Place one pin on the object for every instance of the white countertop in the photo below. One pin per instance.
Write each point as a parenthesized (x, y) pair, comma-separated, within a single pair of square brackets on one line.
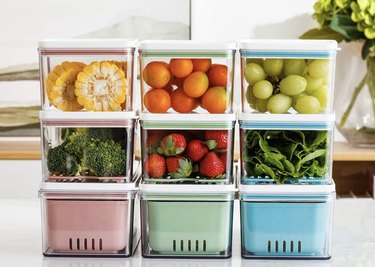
[(20, 241)]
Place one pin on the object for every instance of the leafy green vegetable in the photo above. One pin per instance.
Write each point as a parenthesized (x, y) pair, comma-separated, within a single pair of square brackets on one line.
[(283, 155)]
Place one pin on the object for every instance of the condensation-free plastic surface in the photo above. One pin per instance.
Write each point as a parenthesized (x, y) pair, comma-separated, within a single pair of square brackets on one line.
[(87, 224), (87, 149), (277, 63), (285, 151), (198, 76), (85, 75), (283, 226), (187, 225), (203, 149)]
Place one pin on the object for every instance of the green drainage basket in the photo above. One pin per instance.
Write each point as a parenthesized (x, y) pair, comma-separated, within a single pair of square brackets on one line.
[(187, 220)]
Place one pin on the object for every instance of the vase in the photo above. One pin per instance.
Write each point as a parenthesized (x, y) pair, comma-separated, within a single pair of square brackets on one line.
[(355, 95)]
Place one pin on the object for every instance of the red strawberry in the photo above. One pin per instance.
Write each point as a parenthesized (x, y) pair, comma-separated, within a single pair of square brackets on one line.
[(155, 166), (196, 150), (152, 143), (223, 157), (211, 166), (179, 167), (172, 145), (220, 136)]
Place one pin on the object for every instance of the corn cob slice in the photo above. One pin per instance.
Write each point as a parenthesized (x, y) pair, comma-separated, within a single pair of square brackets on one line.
[(122, 65), (101, 86), (60, 86)]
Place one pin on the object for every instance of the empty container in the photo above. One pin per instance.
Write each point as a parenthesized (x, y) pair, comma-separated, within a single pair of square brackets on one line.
[(288, 76), (187, 221), (86, 74), (87, 219), (187, 149), (276, 148), (289, 221), (187, 76), (87, 147)]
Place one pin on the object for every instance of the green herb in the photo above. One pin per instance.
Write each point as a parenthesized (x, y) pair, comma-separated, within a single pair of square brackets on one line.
[(282, 155)]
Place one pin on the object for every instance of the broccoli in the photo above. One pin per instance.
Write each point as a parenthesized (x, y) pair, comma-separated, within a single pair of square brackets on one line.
[(77, 141), (105, 158), (60, 162)]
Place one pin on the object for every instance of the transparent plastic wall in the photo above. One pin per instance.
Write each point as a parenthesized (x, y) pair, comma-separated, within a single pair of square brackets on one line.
[(87, 75), (186, 76)]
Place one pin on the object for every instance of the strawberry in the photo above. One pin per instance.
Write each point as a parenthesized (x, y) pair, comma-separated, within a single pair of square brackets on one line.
[(220, 136), (178, 167), (223, 157), (152, 143), (196, 150), (211, 166), (172, 145), (155, 166)]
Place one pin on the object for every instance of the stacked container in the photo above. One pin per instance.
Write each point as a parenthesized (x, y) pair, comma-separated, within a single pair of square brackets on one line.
[(286, 134), (87, 124), (187, 189)]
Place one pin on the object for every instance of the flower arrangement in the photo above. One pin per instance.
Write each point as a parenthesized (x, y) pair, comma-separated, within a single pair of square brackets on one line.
[(349, 20)]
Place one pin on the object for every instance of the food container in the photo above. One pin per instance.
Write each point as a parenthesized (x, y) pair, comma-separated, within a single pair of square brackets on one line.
[(186, 220), (278, 149), (81, 219), (87, 147), (287, 76), (187, 149), (187, 76), (86, 74), (289, 221)]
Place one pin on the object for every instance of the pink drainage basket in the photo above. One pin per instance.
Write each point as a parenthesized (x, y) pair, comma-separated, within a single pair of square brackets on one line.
[(87, 223)]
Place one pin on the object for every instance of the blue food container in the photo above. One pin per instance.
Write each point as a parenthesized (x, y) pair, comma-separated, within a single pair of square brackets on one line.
[(286, 221)]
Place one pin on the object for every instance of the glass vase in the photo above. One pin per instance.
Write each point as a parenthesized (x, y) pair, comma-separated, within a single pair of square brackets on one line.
[(355, 95)]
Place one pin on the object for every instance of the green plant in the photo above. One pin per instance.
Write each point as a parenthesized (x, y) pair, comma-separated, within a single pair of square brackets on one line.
[(349, 20)]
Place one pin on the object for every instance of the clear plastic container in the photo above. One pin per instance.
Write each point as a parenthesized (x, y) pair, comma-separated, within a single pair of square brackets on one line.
[(87, 74), (187, 76), (87, 147), (88, 219), (288, 76), (289, 221), (186, 221), (278, 149), (187, 149)]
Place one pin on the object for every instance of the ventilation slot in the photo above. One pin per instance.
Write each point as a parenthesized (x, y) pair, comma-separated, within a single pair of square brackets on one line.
[(93, 244), (70, 244), (85, 244), (100, 244), (78, 245), (284, 246), (189, 245)]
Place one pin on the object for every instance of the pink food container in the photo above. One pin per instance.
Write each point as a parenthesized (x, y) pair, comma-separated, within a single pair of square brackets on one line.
[(81, 219)]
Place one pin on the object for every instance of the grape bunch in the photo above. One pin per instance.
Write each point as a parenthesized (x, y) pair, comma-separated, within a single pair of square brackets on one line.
[(275, 85)]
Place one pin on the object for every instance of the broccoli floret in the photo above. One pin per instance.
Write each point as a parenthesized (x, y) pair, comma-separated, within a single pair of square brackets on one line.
[(104, 159), (83, 137), (60, 162)]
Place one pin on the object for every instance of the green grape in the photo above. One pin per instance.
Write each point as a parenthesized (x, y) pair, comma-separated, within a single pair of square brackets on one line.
[(294, 98), (279, 103), (258, 61), (312, 84), (294, 66), (250, 97), (322, 95), (307, 105), (319, 68), (254, 73), (261, 105), (293, 85), (262, 89), (273, 66)]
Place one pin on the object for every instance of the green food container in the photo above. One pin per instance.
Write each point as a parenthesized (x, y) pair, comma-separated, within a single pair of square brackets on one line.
[(187, 220), (277, 149)]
